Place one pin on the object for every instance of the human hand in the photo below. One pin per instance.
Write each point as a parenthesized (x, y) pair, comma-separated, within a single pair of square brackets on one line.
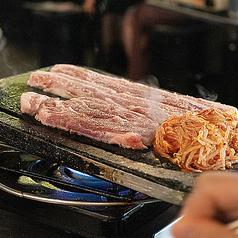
[(212, 204)]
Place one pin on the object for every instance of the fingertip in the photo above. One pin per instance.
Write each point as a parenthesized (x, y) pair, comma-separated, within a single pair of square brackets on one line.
[(182, 228), (189, 227)]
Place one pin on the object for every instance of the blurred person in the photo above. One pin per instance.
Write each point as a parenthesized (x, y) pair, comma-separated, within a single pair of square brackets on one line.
[(112, 13), (137, 24), (212, 204)]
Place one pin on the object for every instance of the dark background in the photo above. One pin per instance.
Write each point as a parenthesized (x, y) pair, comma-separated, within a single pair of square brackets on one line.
[(201, 62)]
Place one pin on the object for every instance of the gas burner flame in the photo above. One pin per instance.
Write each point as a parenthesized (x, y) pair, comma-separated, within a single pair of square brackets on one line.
[(96, 183), (79, 175)]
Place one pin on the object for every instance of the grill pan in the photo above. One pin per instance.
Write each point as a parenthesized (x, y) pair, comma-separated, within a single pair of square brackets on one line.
[(141, 170)]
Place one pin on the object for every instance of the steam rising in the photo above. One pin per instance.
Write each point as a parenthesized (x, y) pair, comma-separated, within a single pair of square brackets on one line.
[(13, 60), (211, 96)]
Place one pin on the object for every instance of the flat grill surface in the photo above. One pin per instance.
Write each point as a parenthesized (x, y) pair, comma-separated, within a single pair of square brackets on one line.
[(141, 170)]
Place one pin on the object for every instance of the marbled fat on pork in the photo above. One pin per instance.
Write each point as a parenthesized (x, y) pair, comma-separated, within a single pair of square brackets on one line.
[(93, 118), (140, 90), (69, 87)]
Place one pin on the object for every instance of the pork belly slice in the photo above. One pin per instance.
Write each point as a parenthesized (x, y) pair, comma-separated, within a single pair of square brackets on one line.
[(64, 85), (140, 90), (120, 85), (70, 87), (93, 118)]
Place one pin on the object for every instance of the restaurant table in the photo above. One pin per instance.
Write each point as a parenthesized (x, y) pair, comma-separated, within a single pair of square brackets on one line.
[(204, 15)]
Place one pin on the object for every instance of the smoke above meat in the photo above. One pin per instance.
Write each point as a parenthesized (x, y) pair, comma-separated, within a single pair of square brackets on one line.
[(106, 108)]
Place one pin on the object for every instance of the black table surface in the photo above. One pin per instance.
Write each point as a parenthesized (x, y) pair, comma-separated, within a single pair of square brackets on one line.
[(17, 226)]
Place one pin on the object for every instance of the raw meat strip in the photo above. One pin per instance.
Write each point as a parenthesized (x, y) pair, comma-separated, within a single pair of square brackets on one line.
[(140, 90), (68, 87), (120, 85), (93, 118)]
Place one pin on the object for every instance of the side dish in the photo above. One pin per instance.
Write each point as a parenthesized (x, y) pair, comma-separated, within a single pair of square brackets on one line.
[(199, 142)]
